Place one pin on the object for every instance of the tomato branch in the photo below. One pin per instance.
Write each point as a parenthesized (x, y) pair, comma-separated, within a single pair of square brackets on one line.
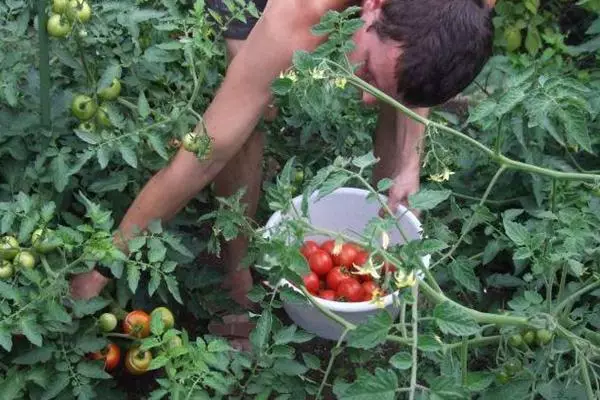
[(575, 296), (334, 353)]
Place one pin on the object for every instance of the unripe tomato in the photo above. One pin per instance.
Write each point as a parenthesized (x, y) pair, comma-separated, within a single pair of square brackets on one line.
[(59, 6), (137, 362), (503, 377), (111, 92), (87, 126), (79, 10), (543, 337), (174, 342), (311, 281), (529, 337), (57, 26), (83, 107), (516, 340), (102, 117), (512, 367), (191, 142), (137, 324), (107, 322), (9, 247), (111, 356), (165, 314), (43, 241), (25, 259), (6, 269)]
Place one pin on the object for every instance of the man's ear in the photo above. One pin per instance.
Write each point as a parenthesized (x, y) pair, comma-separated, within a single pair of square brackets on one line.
[(489, 3)]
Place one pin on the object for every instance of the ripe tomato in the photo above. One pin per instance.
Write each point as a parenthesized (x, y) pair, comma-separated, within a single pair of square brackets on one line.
[(25, 259), (369, 288), (83, 107), (328, 246), (6, 269), (311, 281), (327, 294), (111, 356), (309, 248), (136, 361), (336, 276), (79, 10), (167, 316), (107, 322), (361, 258), (320, 262), (9, 247), (111, 92), (137, 324), (59, 6), (350, 290), (346, 256), (57, 26), (388, 267)]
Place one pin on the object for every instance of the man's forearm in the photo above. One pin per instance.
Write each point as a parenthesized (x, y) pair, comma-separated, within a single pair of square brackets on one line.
[(409, 142)]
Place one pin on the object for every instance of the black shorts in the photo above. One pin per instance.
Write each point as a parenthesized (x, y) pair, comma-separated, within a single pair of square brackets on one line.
[(236, 29)]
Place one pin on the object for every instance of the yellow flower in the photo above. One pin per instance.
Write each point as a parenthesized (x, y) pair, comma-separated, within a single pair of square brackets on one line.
[(340, 82), (368, 268), (291, 75), (442, 177), (403, 279), (377, 298), (317, 74)]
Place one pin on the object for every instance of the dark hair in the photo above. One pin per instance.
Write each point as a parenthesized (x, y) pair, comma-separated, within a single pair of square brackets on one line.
[(445, 44)]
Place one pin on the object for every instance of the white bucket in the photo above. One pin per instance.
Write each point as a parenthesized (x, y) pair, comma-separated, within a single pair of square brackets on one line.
[(347, 211)]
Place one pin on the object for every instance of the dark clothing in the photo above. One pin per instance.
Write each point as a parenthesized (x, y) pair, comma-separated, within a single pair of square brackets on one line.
[(236, 29)]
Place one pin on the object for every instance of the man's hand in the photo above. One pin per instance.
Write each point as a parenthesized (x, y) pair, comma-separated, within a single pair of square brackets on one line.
[(405, 184), (87, 285)]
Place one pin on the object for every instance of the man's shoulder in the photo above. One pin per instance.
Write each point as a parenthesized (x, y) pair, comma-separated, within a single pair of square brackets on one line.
[(305, 10)]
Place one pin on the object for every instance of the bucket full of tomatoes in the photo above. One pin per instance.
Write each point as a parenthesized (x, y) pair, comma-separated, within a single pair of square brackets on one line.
[(332, 281)]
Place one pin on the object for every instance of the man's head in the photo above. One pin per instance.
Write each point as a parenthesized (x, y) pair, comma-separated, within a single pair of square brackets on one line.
[(423, 52)]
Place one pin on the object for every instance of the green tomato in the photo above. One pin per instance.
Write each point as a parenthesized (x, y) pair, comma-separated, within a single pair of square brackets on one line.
[(166, 315), (44, 241), (512, 367), (6, 269), (83, 107), (79, 10), (9, 247), (529, 337), (107, 322), (111, 92), (87, 126), (191, 142), (25, 259), (59, 6), (298, 176), (516, 340), (503, 377), (174, 342), (543, 337), (57, 26), (102, 117), (513, 39)]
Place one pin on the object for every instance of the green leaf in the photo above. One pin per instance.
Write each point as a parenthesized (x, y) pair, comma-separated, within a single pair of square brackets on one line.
[(575, 121), (158, 145), (159, 362), (133, 276), (453, 320), (463, 272), (87, 136), (372, 333), (533, 40), (5, 338), (516, 232), (173, 288), (31, 330), (176, 245), (82, 308), (288, 367), (136, 243), (40, 355), (59, 382), (401, 361), (381, 386), (430, 246), (128, 155), (93, 370), (429, 343), (113, 71), (364, 161), (259, 337), (479, 381), (143, 106), (157, 251), (311, 361), (504, 281), (60, 172), (285, 335), (428, 199), (155, 279)]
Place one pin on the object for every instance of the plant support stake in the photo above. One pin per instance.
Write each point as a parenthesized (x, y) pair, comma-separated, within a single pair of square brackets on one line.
[(44, 66)]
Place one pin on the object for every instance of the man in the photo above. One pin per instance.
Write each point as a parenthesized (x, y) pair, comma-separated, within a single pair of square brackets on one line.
[(422, 52)]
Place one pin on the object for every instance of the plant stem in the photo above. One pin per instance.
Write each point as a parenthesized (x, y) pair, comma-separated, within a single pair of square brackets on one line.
[(347, 325), (86, 67), (477, 342), (334, 353), (585, 375), (44, 54), (502, 160), (563, 282), (415, 342), (480, 317), (575, 296), (403, 318)]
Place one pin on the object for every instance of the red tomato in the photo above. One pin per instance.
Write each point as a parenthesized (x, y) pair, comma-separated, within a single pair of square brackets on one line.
[(369, 288), (327, 294), (350, 290), (308, 248), (111, 356), (320, 262), (328, 246), (387, 267), (346, 256), (311, 281), (137, 324), (335, 277)]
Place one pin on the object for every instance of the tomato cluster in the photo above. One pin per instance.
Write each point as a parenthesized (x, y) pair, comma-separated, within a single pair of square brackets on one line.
[(334, 272), (15, 256), (64, 14), (135, 325)]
